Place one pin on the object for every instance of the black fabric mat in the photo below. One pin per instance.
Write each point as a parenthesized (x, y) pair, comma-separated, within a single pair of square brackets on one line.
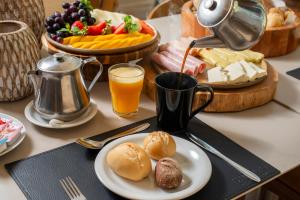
[(38, 176), (294, 73)]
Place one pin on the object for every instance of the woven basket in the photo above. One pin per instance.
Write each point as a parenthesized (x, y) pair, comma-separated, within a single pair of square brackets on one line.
[(19, 53), (31, 12)]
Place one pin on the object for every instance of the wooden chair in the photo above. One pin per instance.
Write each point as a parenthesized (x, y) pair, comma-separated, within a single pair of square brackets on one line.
[(166, 8)]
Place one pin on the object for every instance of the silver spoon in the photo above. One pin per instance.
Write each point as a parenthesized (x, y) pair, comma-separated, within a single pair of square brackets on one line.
[(92, 144)]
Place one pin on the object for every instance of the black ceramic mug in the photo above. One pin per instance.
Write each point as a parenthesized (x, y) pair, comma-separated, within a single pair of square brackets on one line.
[(174, 100)]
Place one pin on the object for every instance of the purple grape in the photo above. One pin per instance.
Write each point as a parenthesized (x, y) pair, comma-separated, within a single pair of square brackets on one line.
[(83, 19), (60, 34), (56, 26), (59, 20), (90, 21), (59, 39), (75, 16), (81, 12), (81, 6), (72, 9), (66, 5), (50, 29), (57, 14), (76, 3), (53, 36), (50, 21)]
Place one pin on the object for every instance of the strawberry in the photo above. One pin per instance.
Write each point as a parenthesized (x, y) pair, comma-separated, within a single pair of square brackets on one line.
[(146, 29), (113, 29), (96, 29), (120, 29), (78, 24), (2, 122)]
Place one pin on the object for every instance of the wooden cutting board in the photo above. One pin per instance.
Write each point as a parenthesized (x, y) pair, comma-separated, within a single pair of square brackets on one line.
[(231, 100)]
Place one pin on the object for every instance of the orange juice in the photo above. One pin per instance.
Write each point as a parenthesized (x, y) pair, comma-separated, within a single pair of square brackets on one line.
[(125, 83)]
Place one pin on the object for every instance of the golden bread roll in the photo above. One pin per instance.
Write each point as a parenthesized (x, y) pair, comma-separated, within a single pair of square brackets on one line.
[(276, 10), (159, 144), (275, 20), (130, 161)]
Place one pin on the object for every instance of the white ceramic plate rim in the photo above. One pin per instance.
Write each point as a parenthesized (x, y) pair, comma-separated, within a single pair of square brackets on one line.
[(93, 111), (186, 192), (20, 139)]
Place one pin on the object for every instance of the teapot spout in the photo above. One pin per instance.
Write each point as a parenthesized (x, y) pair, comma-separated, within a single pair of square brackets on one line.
[(207, 42), (35, 79)]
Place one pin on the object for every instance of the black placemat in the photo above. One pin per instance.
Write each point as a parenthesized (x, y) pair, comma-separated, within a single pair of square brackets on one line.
[(38, 176), (294, 73)]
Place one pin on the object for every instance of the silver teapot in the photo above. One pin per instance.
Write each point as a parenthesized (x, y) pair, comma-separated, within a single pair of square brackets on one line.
[(236, 24), (60, 91)]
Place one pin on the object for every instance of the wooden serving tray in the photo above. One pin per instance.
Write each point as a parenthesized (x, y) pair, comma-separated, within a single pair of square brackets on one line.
[(229, 100), (90, 69)]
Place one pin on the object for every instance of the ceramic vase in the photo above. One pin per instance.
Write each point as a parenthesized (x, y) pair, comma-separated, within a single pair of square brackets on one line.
[(19, 53), (31, 12)]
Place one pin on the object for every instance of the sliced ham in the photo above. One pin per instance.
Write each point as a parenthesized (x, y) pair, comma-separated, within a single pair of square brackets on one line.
[(169, 64), (190, 61)]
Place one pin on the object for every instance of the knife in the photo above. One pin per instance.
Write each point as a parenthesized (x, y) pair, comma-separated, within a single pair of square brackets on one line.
[(211, 149)]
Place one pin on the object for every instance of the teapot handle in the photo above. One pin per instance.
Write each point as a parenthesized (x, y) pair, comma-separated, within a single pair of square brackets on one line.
[(93, 59)]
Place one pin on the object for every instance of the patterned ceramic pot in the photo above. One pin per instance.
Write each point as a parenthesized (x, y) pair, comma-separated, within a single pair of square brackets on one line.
[(32, 12), (19, 53)]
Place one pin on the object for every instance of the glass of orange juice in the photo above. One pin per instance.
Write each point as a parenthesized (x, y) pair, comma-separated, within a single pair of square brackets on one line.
[(125, 84)]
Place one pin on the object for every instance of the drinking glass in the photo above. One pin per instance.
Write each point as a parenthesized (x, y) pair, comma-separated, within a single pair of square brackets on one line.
[(125, 84)]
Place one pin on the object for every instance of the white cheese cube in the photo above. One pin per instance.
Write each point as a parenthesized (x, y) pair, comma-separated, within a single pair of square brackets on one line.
[(236, 73), (250, 71), (216, 75), (260, 72)]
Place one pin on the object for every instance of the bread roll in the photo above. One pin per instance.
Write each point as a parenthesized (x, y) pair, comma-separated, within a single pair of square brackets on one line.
[(129, 161), (159, 144), (275, 20)]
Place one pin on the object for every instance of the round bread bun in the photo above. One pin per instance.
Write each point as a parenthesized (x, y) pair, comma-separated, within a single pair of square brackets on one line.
[(130, 161), (159, 144)]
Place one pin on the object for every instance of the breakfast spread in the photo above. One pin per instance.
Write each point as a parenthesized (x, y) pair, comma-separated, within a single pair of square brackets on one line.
[(130, 161), (278, 17), (9, 133), (81, 26), (159, 144), (168, 174)]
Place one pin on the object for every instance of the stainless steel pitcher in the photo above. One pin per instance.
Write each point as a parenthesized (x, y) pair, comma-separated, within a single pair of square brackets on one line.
[(236, 24), (60, 91)]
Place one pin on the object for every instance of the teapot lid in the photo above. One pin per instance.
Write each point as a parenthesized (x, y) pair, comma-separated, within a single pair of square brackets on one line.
[(212, 12), (59, 63)]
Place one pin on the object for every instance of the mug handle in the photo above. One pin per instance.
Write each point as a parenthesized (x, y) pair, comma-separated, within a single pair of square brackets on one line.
[(204, 88), (93, 59)]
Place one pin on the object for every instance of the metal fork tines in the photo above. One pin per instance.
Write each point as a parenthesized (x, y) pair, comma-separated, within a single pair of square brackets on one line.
[(71, 189)]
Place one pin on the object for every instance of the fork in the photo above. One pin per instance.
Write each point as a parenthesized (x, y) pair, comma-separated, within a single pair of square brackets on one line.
[(71, 189)]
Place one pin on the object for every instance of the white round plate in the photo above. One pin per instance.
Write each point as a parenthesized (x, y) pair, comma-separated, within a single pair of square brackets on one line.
[(36, 119), (195, 165), (20, 139)]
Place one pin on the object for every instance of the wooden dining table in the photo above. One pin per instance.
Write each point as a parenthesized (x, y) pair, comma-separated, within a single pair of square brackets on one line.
[(271, 132)]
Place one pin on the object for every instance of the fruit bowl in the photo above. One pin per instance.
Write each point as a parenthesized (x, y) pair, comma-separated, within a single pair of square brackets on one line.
[(81, 29), (70, 49)]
